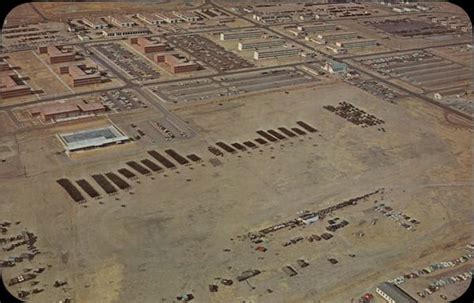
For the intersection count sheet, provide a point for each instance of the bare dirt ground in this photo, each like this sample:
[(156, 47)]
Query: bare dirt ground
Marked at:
[(180, 230)]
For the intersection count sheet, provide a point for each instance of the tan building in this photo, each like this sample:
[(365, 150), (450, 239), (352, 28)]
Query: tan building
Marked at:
[(186, 16), (120, 32), (95, 22), (150, 19), (69, 110), (121, 21), (168, 17)]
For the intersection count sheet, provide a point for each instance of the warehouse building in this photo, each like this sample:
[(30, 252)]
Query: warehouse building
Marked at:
[(148, 45), (186, 16), (336, 35), (121, 21), (58, 54), (134, 31), (273, 17), (92, 138), (260, 44), (13, 86), (356, 43), (276, 53), (81, 74), (61, 111), (95, 22), (150, 19), (235, 35), (393, 294), (317, 28), (168, 17)]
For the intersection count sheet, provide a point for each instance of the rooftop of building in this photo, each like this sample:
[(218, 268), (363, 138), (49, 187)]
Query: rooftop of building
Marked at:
[(80, 71), (166, 14), (60, 50), (95, 20), (335, 33), (121, 18), (67, 107), (396, 293), (9, 81)]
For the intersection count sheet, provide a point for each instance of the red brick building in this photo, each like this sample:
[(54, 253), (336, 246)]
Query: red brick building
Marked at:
[(58, 54)]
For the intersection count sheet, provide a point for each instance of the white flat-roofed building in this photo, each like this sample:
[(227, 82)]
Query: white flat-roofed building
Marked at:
[(272, 17), (186, 16), (356, 43), (95, 22), (121, 21), (150, 18), (337, 35), (235, 35), (92, 138), (168, 17), (317, 28), (276, 53), (260, 44), (394, 294), (134, 31)]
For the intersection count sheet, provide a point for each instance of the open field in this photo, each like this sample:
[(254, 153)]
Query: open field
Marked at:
[(131, 247), (41, 77)]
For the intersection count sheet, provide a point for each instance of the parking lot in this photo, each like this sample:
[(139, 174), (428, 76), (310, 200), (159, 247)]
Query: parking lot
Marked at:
[(210, 53), (136, 67), (421, 69), (122, 100), (225, 86), (153, 131), (378, 89), (407, 27)]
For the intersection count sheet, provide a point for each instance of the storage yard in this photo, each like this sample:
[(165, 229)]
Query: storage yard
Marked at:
[(232, 86), (421, 69), (211, 153)]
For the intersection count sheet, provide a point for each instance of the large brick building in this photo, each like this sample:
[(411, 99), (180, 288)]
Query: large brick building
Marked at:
[(58, 54), (81, 74), (13, 86), (148, 45), (67, 110), (180, 64)]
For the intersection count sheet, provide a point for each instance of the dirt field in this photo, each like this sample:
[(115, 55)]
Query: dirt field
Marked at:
[(21, 13), (170, 236), (64, 10), (41, 78)]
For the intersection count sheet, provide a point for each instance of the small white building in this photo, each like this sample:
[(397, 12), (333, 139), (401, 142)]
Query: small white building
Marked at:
[(335, 67)]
